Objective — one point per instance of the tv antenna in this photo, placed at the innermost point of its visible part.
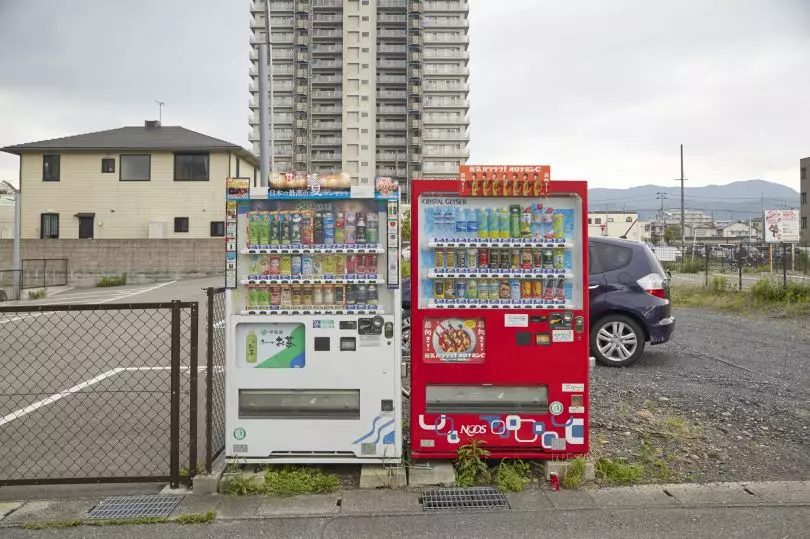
(160, 110)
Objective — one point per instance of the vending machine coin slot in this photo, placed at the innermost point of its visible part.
(348, 324)
(370, 326)
(389, 330)
(322, 344)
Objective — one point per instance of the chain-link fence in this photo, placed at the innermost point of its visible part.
(215, 375)
(740, 264)
(92, 393)
(10, 285)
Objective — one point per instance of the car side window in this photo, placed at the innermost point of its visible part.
(612, 257)
(593, 262)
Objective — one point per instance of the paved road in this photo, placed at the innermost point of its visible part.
(86, 393)
(726, 522)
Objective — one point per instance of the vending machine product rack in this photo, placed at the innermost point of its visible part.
(313, 329)
(500, 347)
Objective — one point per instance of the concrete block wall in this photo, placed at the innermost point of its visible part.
(143, 261)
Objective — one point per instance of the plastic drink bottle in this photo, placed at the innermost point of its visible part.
(494, 224)
(483, 223)
(503, 220)
(472, 223)
(559, 226)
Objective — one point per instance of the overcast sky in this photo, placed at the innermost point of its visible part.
(603, 90)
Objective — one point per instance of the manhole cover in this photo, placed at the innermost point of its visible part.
(134, 507)
(468, 499)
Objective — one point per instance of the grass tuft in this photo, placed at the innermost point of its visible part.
(118, 280)
(574, 476)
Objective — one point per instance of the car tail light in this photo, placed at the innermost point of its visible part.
(654, 285)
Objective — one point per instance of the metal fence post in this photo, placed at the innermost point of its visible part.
(740, 263)
(784, 264)
(193, 380)
(209, 379)
(174, 435)
(706, 254)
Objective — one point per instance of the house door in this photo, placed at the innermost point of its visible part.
(85, 227)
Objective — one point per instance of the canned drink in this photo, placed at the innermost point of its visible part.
(461, 259)
(286, 296)
(340, 294)
(449, 290)
(361, 294)
(351, 264)
(494, 290)
(317, 264)
(504, 256)
(286, 264)
(296, 295)
(560, 292)
(537, 289)
(461, 289)
(538, 258)
(450, 258)
(361, 264)
(483, 258)
(371, 264)
(472, 258)
(514, 289)
(526, 259)
(350, 295)
(306, 264)
(329, 264)
(438, 289)
(274, 265)
(328, 295)
(340, 265)
(439, 258)
(483, 290)
(372, 294)
(514, 259)
(550, 289)
(317, 295)
(559, 259)
(306, 295)
(504, 290)
(296, 266)
(472, 289)
(525, 289)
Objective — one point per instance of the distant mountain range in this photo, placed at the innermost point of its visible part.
(734, 201)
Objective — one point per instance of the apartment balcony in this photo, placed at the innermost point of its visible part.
(416, 140)
(439, 135)
(457, 6)
(415, 72)
(326, 141)
(416, 123)
(436, 168)
(392, 4)
(301, 107)
(390, 94)
(256, 38)
(327, 157)
(446, 119)
(327, 34)
(281, 54)
(416, 57)
(414, 107)
(326, 79)
(445, 22)
(446, 38)
(302, 40)
(391, 156)
(326, 126)
(392, 79)
(302, 6)
(301, 57)
(392, 49)
(302, 24)
(396, 34)
(281, 38)
(391, 141)
(416, 40)
(327, 3)
(328, 111)
(392, 64)
(455, 70)
(415, 157)
(258, 6)
(283, 86)
(392, 110)
(391, 172)
(302, 73)
(326, 95)
(282, 69)
(391, 18)
(415, 90)
(281, 23)
(442, 53)
(327, 64)
(328, 18)
(453, 153)
(392, 125)
(300, 157)
(320, 48)
(415, 6)
(431, 86)
(283, 118)
(437, 103)
(302, 90)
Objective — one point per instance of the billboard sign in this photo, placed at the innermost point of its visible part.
(781, 226)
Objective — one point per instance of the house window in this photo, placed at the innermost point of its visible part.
(181, 224)
(49, 226)
(804, 222)
(628, 220)
(50, 168)
(217, 229)
(136, 168)
(597, 220)
(108, 165)
(804, 198)
(590, 221)
(191, 167)
(804, 173)
(610, 219)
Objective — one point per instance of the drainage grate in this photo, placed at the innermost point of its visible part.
(134, 507)
(469, 499)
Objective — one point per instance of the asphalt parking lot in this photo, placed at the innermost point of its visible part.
(87, 393)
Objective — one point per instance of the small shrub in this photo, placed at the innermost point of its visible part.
(719, 284)
(574, 476)
(692, 266)
(512, 475)
(292, 481)
(470, 466)
(243, 486)
(37, 294)
(618, 471)
(118, 280)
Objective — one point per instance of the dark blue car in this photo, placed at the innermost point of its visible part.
(630, 306)
(629, 296)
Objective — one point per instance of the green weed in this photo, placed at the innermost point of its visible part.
(119, 280)
(52, 524)
(197, 518)
(574, 476)
(37, 294)
(512, 475)
(292, 481)
(617, 471)
(470, 466)
(243, 486)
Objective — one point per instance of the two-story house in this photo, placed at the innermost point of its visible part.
(128, 183)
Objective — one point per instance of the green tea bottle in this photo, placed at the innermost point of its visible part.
(252, 346)
(253, 229)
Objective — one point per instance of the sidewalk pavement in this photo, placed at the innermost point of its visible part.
(407, 502)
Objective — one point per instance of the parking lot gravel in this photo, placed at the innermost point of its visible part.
(728, 399)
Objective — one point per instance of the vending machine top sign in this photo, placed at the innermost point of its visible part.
(500, 303)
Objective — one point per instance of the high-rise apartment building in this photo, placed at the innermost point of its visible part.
(367, 87)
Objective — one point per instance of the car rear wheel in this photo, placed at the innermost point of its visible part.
(617, 341)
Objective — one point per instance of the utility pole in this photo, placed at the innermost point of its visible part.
(265, 103)
(662, 197)
(17, 294)
(683, 223)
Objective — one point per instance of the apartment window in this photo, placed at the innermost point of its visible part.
(610, 219)
(365, 18)
(364, 82)
(804, 222)
(107, 165)
(628, 219)
(364, 114)
(803, 173)
(590, 221)
(49, 226)
(363, 98)
(364, 131)
(364, 147)
(597, 221)
(364, 66)
(365, 34)
(50, 168)
(364, 49)
(217, 229)
(363, 163)
(181, 224)
(136, 168)
(804, 198)
(191, 167)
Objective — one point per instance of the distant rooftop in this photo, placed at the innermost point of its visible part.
(7, 189)
(149, 137)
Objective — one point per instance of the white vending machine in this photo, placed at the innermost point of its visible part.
(313, 328)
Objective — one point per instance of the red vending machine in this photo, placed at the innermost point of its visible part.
(499, 314)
